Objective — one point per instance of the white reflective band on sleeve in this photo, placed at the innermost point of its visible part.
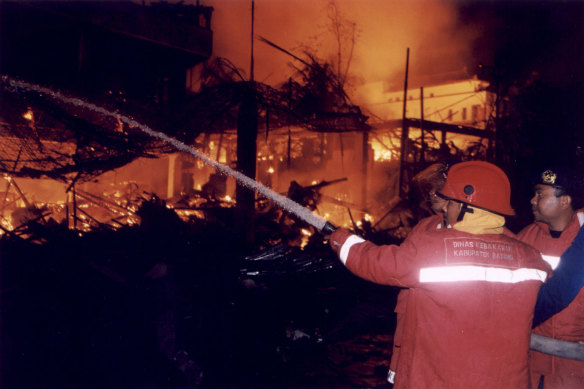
(353, 239)
(581, 218)
(480, 273)
(553, 261)
(391, 377)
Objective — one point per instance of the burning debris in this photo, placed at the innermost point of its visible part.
(171, 276)
(186, 279)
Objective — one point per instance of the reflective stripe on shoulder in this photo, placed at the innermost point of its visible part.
(581, 218)
(552, 260)
(351, 240)
(480, 273)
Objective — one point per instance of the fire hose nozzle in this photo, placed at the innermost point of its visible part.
(328, 228)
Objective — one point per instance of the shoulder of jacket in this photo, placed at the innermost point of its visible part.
(580, 216)
(530, 228)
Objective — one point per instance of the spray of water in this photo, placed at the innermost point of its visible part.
(282, 201)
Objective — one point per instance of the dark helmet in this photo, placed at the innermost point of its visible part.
(479, 184)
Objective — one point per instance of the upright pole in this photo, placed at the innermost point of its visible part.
(365, 163)
(74, 208)
(247, 129)
(423, 156)
(288, 159)
(251, 75)
(171, 172)
(404, 137)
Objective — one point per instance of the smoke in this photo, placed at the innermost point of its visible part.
(439, 45)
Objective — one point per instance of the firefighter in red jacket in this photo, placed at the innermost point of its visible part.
(558, 192)
(424, 185)
(472, 288)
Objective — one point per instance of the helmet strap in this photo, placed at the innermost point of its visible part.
(464, 209)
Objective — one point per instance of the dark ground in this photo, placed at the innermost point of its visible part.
(183, 306)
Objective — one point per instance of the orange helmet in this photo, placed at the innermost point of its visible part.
(479, 184)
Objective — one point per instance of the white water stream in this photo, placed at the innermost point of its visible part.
(282, 201)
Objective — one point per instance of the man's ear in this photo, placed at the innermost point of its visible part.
(565, 201)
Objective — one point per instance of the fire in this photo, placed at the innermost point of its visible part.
(6, 223)
(28, 115)
(385, 148)
(306, 234)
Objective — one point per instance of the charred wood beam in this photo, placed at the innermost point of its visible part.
(34, 220)
(342, 203)
(101, 202)
(428, 125)
(453, 128)
(97, 222)
(21, 194)
(9, 183)
(338, 122)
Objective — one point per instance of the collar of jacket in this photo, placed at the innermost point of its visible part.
(481, 222)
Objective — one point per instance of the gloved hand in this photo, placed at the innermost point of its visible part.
(337, 239)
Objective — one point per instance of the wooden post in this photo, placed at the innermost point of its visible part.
(219, 146)
(247, 128)
(251, 70)
(247, 132)
(170, 180)
(404, 137)
(288, 159)
(74, 208)
(365, 160)
(423, 155)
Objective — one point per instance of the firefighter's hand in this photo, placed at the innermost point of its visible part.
(337, 239)
(328, 229)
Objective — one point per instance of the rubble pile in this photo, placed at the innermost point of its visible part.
(177, 300)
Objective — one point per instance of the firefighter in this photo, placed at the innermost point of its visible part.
(472, 288)
(424, 186)
(555, 206)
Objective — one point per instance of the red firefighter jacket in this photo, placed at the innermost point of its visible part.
(469, 308)
(569, 323)
(431, 223)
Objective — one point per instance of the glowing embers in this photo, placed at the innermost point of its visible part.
(6, 223)
(28, 204)
(29, 115)
(306, 234)
(385, 147)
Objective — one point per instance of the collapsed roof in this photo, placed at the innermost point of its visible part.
(46, 134)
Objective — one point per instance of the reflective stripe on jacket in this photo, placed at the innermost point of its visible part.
(469, 307)
(569, 323)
